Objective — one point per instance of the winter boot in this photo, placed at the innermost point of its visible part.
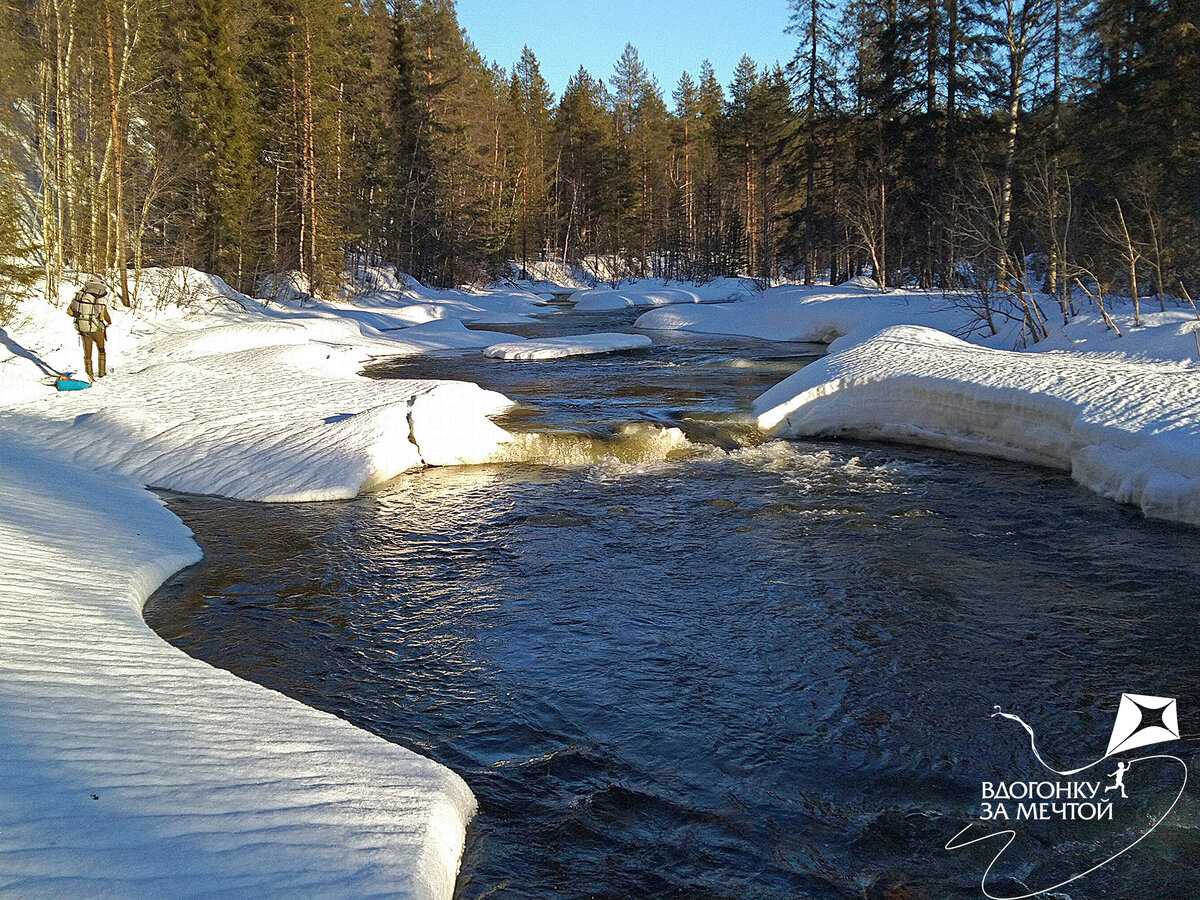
(102, 373)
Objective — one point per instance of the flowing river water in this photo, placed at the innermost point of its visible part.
(675, 660)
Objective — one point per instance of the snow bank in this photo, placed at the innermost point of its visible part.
(604, 299)
(848, 313)
(1129, 431)
(282, 424)
(130, 769)
(388, 310)
(159, 287)
(654, 292)
(808, 314)
(213, 392)
(185, 314)
(127, 768)
(437, 334)
(574, 345)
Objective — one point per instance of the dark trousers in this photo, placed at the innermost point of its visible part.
(96, 338)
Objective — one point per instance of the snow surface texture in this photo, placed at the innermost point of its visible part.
(848, 313)
(237, 399)
(574, 345)
(794, 313)
(207, 785)
(650, 293)
(1129, 431)
(282, 423)
(184, 314)
(128, 769)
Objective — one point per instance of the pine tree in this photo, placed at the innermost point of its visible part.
(809, 23)
(714, 202)
(531, 102)
(588, 159)
(210, 120)
(687, 113)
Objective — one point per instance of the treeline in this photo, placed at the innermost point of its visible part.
(954, 142)
(939, 141)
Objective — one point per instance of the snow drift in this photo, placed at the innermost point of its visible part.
(132, 770)
(1129, 431)
(282, 423)
(647, 293)
(802, 314)
(560, 347)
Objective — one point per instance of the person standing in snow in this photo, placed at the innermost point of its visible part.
(91, 320)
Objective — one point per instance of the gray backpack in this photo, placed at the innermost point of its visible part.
(89, 312)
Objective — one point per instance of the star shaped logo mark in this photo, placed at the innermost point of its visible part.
(1143, 720)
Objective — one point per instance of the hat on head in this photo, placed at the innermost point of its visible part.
(96, 286)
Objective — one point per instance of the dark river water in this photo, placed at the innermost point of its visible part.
(675, 661)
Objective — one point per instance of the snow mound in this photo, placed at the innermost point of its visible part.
(130, 769)
(652, 293)
(280, 424)
(866, 282)
(184, 286)
(1129, 431)
(227, 339)
(804, 314)
(574, 345)
(602, 299)
(440, 334)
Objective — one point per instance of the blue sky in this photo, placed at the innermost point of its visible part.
(670, 35)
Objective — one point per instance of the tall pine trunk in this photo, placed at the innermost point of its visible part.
(118, 156)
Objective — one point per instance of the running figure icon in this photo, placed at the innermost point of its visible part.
(1119, 779)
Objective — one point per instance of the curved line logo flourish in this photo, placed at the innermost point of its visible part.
(1141, 721)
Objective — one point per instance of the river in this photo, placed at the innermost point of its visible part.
(673, 659)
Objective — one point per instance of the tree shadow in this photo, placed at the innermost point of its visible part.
(17, 350)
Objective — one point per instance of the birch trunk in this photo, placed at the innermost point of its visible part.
(117, 152)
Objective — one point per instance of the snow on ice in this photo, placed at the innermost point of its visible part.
(1118, 412)
(560, 347)
(1128, 430)
(653, 292)
(128, 768)
(803, 314)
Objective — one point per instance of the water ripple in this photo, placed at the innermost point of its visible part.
(756, 671)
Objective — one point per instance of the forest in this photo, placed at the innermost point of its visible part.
(994, 145)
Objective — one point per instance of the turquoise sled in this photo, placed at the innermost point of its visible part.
(66, 383)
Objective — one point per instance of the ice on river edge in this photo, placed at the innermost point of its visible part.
(1128, 430)
(206, 785)
(562, 347)
(1118, 412)
(128, 768)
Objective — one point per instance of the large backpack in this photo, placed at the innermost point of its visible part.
(89, 313)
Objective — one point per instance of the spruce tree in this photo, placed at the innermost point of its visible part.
(211, 123)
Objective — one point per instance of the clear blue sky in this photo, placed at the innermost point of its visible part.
(670, 35)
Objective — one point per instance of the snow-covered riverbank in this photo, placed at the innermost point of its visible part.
(127, 768)
(1121, 413)
(206, 785)
(1129, 431)
(131, 770)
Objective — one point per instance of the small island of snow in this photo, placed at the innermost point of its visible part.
(560, 347)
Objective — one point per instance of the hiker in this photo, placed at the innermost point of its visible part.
(91, 317)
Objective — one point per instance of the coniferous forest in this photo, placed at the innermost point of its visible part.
(945, 143)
